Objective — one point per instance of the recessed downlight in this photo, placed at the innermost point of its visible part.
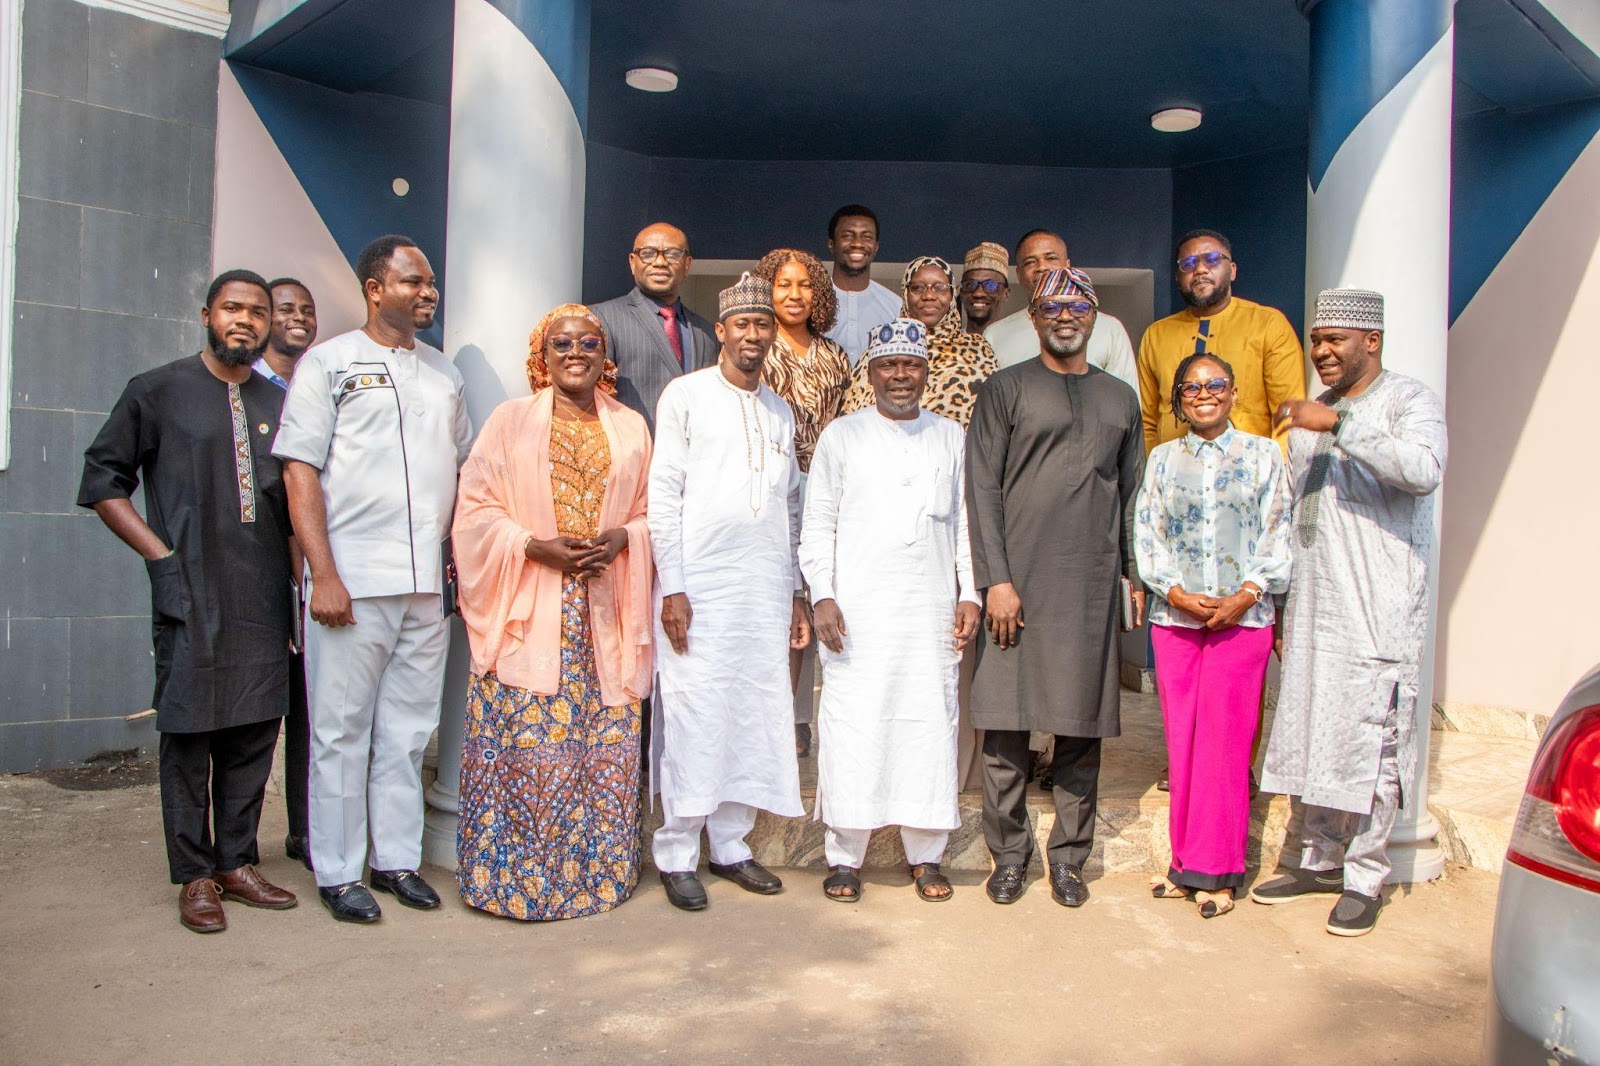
(1176, 119)
(651, 79)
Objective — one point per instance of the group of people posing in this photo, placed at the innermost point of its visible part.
(954, 515)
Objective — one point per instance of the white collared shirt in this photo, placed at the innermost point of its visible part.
(388, 428)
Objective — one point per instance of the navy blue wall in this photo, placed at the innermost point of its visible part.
(1259, 203)
(347, 148)
(740, 209)
(1504, 167)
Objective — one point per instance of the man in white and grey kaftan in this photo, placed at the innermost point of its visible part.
(1055, 454)
(1364, 460)
(724, 524)
(884, 549)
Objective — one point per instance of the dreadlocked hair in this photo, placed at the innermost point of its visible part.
(1183, 372)
(824, 304)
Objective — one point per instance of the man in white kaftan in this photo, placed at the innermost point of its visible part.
(1364, 461)
(724, 524)
(884, 548)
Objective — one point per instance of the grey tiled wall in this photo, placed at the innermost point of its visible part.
(118, 129)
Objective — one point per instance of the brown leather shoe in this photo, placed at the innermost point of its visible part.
(248, 887)
(200, 908)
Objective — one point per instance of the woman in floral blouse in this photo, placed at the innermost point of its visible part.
(1211, 532)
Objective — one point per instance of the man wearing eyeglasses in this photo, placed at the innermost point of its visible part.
(1013, 338)
(1054, 458)
(654, 338)
(984, 285)
(1257, 341)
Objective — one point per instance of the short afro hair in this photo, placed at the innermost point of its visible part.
(374, 258)
(1039, 231)
(854, 211)
(249, 277)
(1198, 234)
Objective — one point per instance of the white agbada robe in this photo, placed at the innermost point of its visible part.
(885, 537)
(724, 519)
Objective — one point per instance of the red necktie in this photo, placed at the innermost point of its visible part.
(669, 321)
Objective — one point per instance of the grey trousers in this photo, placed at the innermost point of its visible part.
(1359, 842)
(1075, 786)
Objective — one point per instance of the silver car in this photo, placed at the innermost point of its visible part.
(1544, 969)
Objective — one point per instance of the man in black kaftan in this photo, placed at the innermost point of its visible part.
(198, 432)
(1055, 454)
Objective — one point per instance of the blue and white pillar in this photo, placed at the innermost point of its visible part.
(1379, 218)
(514, 244)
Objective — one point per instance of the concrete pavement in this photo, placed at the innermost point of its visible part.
(98, 969)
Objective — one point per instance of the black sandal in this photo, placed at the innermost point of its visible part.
(842, 877)
(930, 877)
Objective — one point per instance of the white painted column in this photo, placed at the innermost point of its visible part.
(513, 247)
(1379, 218)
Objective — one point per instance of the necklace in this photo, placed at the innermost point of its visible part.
(577, 411)
(755, 446)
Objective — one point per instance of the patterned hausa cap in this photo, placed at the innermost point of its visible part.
(903, 336)
(1065, 284)
(987, 256)
(1348, 309)
(748, 295)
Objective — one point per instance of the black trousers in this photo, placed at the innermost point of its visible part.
(297, 751)
(1075, 786)
(212, 786)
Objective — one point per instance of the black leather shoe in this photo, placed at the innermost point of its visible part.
(350, 902)
(1006, 883)
(408, 887)
(298, 849)
(750, 876)
(685, 891)
(1066, 884)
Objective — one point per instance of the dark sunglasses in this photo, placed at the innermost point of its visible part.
(1216, 387)
(588, 342)
(1187, 264)
(988, 285)
(1075, 308)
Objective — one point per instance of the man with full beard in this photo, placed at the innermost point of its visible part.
(374, 430)
(1257, 341)
(1054, 460)
(198, 433)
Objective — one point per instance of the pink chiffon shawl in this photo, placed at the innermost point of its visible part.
(512, 605)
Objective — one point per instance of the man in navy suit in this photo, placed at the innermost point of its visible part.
(653, 337)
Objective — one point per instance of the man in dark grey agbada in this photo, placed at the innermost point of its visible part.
(1054, 458)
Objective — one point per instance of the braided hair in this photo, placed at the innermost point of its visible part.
(1183, 372)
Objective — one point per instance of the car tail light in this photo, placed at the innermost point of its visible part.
(1558, 828)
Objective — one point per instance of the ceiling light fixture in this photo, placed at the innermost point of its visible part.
(651, 79)
(1176, 119)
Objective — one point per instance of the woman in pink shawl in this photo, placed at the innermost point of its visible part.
(554, 562)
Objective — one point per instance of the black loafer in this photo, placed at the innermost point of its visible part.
(684, 891)
(1066, 885)
(350, 902)
(1005, 885)
(298, 849)
(408, 887)
(750, 876)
